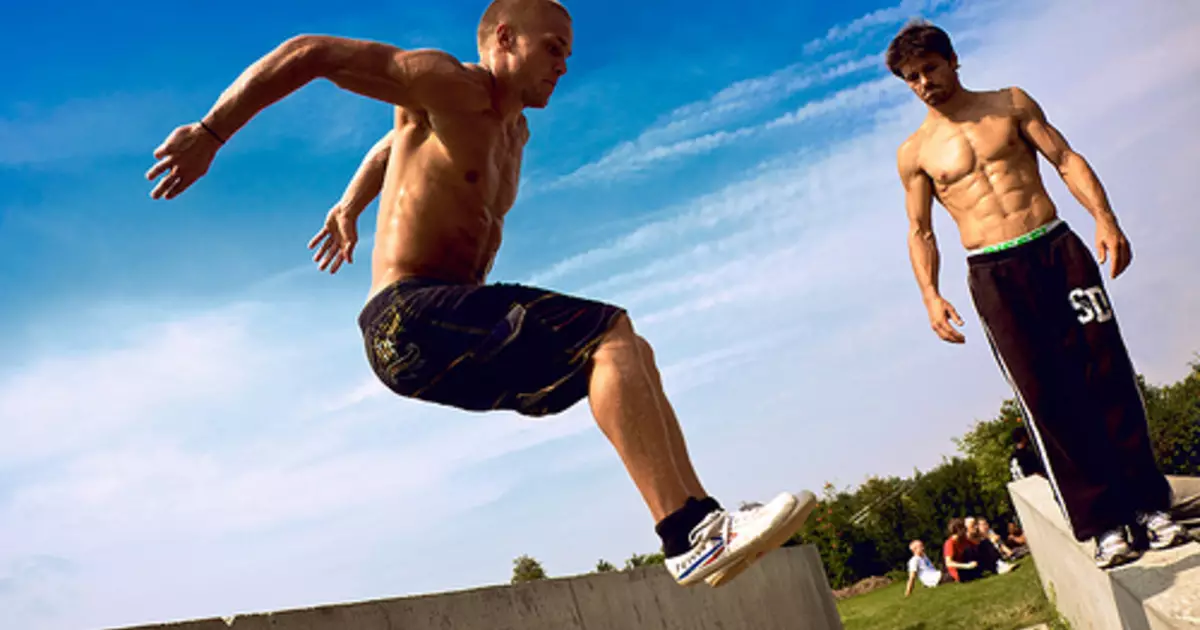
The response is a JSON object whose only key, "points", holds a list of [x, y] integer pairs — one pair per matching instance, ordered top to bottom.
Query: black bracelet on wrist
{"points": [[210, 131]]}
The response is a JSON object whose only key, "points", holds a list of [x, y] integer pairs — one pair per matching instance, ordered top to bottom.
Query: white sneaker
{"points": [[805, 502], [1162, 531], [723, 538], [1113, 549], [1003, 567]]}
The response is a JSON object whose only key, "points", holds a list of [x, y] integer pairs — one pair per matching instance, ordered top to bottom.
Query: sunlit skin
{"points": [[977, 154], [447, 175]]}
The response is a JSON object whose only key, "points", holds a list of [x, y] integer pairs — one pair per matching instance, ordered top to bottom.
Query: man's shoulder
{"points": [[458, 86], [1012, 99], [909, 151]]}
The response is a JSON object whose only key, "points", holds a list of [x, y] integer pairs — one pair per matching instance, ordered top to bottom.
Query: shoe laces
{"points": [[1157, 520], [715, 523], [1110, 539]]}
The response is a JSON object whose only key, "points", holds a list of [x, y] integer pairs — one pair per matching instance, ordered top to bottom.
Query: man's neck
{"points": [[505, 100], [953, 105]]}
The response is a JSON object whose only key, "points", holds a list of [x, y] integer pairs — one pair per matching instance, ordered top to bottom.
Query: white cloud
{"points": [[880, 17], [694, 128], [688, 131]]}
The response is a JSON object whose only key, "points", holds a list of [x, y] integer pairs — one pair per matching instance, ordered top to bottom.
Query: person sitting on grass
{"points": [[988, 534], [1016, 537], [986, 553], [959, 554], [921, 568]]}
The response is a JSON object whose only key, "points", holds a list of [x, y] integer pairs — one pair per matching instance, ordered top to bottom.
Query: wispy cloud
{"points": [[880, 17], [694, 129], [688, 131]]}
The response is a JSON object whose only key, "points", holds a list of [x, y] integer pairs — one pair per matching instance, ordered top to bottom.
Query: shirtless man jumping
{"points": [[1040, 296], [433, 329]]}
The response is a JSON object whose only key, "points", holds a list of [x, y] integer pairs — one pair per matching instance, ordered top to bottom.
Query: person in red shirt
{"points": [[958, 553]]}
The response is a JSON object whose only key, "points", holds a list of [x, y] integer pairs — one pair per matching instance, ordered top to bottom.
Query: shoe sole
{"points": [[805, 504], [1179, 538], [733, 558], [1120, 558]]}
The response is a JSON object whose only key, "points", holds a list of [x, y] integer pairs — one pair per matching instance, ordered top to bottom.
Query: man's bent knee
{"points": [[620, 338]]}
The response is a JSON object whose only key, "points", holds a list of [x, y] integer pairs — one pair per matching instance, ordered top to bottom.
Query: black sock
{"points": [[675, 528]]}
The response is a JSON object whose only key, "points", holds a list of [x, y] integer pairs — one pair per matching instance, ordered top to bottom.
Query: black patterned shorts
{"points": [[484, 347]]}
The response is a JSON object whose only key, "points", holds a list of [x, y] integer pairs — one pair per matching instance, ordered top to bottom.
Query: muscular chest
{"points": [[955, 151], [485, 156]]}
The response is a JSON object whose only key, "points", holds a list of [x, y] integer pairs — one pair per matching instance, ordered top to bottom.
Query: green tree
{"points": [[1173, 414], [989, 445], [644, 560], [604, 566], [527, 569]]}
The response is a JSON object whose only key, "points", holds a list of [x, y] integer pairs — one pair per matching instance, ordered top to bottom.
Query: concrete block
{"points": [[786, 590], [1161, 591]]}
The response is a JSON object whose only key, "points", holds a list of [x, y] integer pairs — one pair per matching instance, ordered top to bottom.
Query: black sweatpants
{"points": [[1054, 333]]}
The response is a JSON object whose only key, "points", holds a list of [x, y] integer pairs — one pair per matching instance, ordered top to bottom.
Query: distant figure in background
{"points": [[1024, 462], [1016, 537], [996, 540], [958, 554], [986, 554], [921, 568]]}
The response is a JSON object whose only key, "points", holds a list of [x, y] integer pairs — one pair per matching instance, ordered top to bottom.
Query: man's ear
{"points": [[506, 39]]}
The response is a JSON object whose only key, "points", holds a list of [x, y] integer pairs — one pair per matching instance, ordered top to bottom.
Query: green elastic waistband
{"points": [[1031, 235]]}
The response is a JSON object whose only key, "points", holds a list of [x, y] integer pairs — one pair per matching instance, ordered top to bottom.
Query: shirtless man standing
{"points": [[1039, 294], [433, 329]]}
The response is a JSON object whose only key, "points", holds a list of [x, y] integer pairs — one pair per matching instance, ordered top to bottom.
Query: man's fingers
{"points": [[159, 168], [181, 184], [163, 186], [316, 239], [325, 247], [1102, 251], [1122, 259], [337, 264], [954, 314], [947, 332]]}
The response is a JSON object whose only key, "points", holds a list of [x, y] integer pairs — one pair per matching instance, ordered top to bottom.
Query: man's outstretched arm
{"points": [[415, 79], [420, 80], [1079, 177], [922, 244]]}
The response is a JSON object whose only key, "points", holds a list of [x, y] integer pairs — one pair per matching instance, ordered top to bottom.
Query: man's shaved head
{"points": [[513, 12]]}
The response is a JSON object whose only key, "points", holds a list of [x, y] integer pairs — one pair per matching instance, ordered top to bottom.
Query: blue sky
{"points": [[190, 426]]}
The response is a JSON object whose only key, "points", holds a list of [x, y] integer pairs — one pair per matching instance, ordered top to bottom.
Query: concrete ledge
{"points": [[787, 590], [1158, 592]]}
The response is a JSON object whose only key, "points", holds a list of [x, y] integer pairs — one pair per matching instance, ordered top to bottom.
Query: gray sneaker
{"points": [[1162, 531], [1113, 549]]}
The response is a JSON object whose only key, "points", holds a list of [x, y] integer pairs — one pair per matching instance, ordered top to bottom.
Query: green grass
{"points": [[997, 602]]}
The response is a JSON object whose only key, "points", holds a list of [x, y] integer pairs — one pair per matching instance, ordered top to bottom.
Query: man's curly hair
{"points": [[917, 38]]}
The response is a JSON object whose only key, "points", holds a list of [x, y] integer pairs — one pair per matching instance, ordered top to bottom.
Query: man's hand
{"points": [[185, 157], [340, 235], [1110, 240], [941, 313]]}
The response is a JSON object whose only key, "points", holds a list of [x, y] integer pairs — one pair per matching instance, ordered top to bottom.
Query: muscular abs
{"points": [[985, 173], [448, 186]]}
